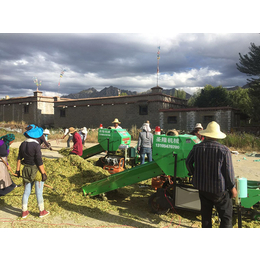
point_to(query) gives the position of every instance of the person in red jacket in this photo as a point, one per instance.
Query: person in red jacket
(77, 146)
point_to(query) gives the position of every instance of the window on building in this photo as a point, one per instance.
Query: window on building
(172, 119)
(143, 110)
(26, 109)
(208, 119)
(62, 113)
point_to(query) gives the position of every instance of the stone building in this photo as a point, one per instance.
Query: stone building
(185, 119)
(36, 109)
(130, 110)
(162, 110)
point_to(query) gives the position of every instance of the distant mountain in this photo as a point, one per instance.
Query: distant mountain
(171, 92)
(113, 91)
(236, 87)
(106, 92)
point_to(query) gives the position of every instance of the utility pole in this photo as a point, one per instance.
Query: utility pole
(158, 58)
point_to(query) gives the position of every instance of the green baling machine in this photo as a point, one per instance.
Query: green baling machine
(169, 155)
(109, 140)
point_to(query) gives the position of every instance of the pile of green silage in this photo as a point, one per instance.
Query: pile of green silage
(67, 175)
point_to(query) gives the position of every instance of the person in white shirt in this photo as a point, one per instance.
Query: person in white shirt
(66, 132)
(83, 134)
(116, 124)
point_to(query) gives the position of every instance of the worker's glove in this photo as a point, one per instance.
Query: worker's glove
(44, 177)
(18, 174)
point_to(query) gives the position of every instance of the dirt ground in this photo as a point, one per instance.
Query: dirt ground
(245, 165)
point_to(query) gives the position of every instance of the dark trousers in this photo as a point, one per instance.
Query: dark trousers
(223, 205)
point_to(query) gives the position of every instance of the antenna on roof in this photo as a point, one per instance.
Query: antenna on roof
(37, 82)
(158, 57)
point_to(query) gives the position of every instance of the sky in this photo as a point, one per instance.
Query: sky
(124, 57)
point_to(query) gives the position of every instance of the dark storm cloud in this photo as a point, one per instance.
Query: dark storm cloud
(126, 61)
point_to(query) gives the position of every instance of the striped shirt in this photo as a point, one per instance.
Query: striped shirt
(211, 165)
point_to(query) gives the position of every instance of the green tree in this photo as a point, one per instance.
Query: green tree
(218, 97)
(240, 99)
(212, 97)
(180, 94)
(250, 65)
(193, 98)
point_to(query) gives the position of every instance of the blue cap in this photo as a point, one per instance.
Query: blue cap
(34, 132)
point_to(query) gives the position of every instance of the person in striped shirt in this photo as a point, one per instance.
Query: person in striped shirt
(211, 167)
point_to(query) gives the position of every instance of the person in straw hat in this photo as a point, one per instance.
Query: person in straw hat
(116, 124)
(77, 146)
(198, 127)
(210, 164)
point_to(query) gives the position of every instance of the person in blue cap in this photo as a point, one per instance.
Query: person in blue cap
(33, 172)
(41, 139)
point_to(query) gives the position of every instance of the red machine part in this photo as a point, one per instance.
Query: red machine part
(115, 168)
(157, 182)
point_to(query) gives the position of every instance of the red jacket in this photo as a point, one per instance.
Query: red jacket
(77, 147)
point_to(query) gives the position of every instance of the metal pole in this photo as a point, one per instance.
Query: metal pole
(158, 57)
(239, 214)
(174, 178)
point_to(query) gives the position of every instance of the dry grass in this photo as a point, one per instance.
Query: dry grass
(242, 142)
(92, 137)
(134, 132)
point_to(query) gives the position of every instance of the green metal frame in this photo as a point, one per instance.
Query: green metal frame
(109, 140)
(164, 148)
(163, 162)
(96, 149)
(121, 179)
(253, 194)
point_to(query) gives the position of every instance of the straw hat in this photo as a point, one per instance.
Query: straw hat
(72, 130)
(213, 131)
(198, 126)
(116, 121)
(84, 130)
(173, 132)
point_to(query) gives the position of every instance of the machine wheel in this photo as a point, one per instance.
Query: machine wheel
(100, 162)
(255, 215)
(156, 205)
